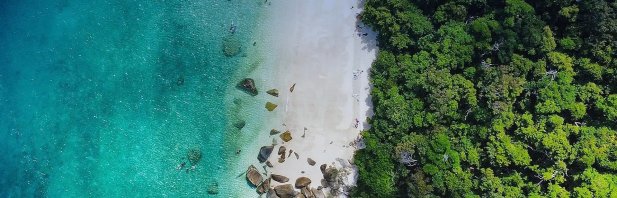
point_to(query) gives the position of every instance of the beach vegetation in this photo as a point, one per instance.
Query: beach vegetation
(476, 98)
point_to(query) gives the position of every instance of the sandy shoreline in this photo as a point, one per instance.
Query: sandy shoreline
(316, 45)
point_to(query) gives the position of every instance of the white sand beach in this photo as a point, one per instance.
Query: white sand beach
(317, 46)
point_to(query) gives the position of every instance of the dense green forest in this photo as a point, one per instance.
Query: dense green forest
(492, 98)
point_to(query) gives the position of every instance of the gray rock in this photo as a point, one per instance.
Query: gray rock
(274, 132)
(318, 193)
(297, 156)
(248, 85)
(269, 164)
(240, 124)
(310, 161)
(302, 182)
(285, 191)
(264, 153)
(306, 192)
(253, 176)
(279, 178)
(282, 150)
(263, 188)
(323, 168)
(271, 194)
(273, 92)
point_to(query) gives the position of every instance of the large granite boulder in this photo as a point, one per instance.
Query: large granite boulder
(270, 106)
(271, 194)
(253, 176)
(263, 188)
(285, 191)
(264, 153)
(310, 161)
(331, 174)
(302, 182)
(194, 155)
(248, 85)
(286, 136)
(279, 178)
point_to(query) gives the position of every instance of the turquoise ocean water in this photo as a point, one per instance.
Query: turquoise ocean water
(105, 98)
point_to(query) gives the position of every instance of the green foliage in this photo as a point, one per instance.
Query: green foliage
(476, 98)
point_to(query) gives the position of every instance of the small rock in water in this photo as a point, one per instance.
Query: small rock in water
(273, 92)
(240, 124)
(213, 188)
(248, 85)
(297, 156)
(194, 155)
(180, 81)
(269, 164)
(270, 106)
(290, 151)
(231, 46)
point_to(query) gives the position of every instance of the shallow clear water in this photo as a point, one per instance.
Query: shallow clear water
(105, 98)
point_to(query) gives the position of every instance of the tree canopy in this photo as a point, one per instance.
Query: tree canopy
(480, 98)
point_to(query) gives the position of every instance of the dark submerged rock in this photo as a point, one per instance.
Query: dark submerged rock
(194, 155)
(248, 85)
(213, 188)
(231, 46)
